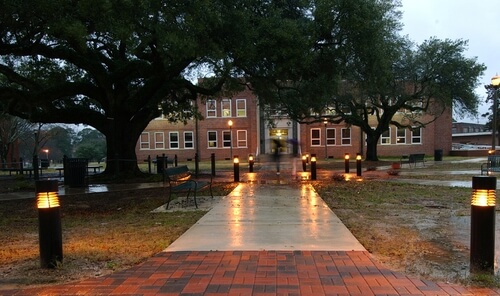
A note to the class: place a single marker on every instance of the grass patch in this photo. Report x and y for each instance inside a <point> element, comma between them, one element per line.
<point>102,232</point>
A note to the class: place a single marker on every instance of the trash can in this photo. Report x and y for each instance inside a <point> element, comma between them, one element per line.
<point>75,172</point>
<point>44,163</point>
<point>161,164</point>
<point>438,155</point>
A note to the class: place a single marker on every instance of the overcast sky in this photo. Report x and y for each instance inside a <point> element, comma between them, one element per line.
<point>476,21</point>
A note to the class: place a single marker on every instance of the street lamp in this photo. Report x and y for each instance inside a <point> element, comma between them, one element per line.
<point>230,123</point>
<point>326,148</point>
<point>495,82</point>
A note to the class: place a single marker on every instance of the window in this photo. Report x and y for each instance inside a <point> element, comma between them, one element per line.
<point>315,137</point>
<point>211,108</point>
<point>173,140</point>
<point>212,139</point>
<point>241,137</point>
<point>159,140</point>
<point>385,138</point>
<point>416,135</point>
<point>225,106</point>
<point>144,141</point>
<point>346,136</point>
<point>241,108</point>
<point>188,140</point>
<point>226,139</point>
<point>401,136</point>
<point>330,136</point>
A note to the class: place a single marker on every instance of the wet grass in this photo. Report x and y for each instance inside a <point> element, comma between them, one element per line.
<point>102,232</point>
<point>407,227</point>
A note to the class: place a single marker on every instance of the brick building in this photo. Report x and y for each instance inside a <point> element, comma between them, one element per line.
<point>253,133</point>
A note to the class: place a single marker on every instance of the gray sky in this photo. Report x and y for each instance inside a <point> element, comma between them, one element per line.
<point>476,21</point>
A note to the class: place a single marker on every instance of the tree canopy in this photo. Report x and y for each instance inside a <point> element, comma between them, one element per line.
<point>360,67</point>
<point>112,64</point>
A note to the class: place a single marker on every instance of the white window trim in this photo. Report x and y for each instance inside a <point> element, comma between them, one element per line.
<point>413,137</point>
<point>208,140</point>
<point>334,136</point>
<point>342,137</point>
<point>222,108</point>
<point>145,143</point>
<point>224,141</point>
<point>400,137</point>
<point>244,108</point>
<point>315,139</point>
<point>159,145</point>
<point>214,110</point>
<point>239,140</point>
<point>185,141</point>
<point>170,142</point>
<point>382,138</point>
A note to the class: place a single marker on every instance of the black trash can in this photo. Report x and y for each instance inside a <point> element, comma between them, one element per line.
<point>438,155</point>
<point>161,164</point>
<point>75,172</point>
<point>44,163</point>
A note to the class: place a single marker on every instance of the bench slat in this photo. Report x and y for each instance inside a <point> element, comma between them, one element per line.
<point>179,179</point>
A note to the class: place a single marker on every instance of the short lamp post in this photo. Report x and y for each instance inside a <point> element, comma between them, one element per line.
<point>326,139</point>
<point>49,220</point>
<point>482,239</point>
<point>236,168</point>
<point>304,163</point>
<point>313,166</point>
<point>250,163</point>
<point>346,163</point>
<point>358,164</point>
<point>230,123</point>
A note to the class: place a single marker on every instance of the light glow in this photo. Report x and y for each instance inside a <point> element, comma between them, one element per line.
<point>483,197</point>
<point>47,200</point>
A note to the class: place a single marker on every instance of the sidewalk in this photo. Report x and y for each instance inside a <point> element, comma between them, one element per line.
<point>271,236</point>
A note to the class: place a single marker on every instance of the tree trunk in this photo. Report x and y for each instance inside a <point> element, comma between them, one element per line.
<point>121,160</point>
<point>371,147</point>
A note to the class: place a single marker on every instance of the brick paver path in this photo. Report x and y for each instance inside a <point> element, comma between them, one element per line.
<point>257,273</point>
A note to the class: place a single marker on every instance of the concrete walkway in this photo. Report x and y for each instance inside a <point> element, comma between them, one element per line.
<point>269,217</point>
<point>268,237</point>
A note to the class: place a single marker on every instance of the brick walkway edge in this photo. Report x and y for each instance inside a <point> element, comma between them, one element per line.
<point>257,273</point>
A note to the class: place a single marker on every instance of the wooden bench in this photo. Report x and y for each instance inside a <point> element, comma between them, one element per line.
<point>179,180</point>
<point>413,159</point>
<point>492,165</point>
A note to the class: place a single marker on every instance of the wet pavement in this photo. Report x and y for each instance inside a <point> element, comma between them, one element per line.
<point>273,235</point>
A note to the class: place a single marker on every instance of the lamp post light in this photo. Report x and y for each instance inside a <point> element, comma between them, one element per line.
<point>250,163</point>
<point>495,82</point>
<point>236,168</point>
<point>313,167</point>
<point>346,163</point>
<point>49,223</point>
<point>482,238</point>
<point>358,164</point>
<point>326,147</point>
<point>230,123</point>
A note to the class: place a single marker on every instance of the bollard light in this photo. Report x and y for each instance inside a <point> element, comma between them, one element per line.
<point>358,164</point>
<point>482,239</point>
<point>236,168</point>
<point>313,166</point>
<point>49,223</point>
<point>250,163</point>
<point>304,163</point>
<point>346,163</point>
